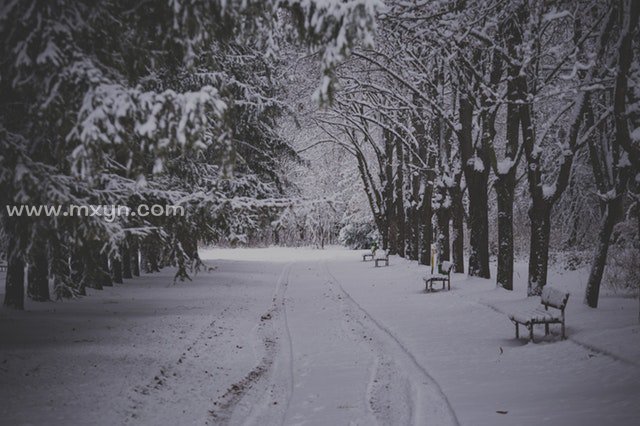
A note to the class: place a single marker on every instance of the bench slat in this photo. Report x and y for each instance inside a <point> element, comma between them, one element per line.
<point>436,277</point>
<point>381,255</point>
<point>553,297</point>
<point>447,267</point>
<point>550,297</point>
<point>535,315</point>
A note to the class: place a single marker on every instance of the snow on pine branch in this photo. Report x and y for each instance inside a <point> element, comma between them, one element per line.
<point>112,114</point>
<point>334,27</point>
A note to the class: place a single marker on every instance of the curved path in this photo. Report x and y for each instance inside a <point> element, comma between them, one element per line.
<point>298,336</point>
<point>324,360</point>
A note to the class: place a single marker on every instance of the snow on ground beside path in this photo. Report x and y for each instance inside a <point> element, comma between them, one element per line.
<point>145,352</point>
<point>296,335</point>
<point>466,342</point>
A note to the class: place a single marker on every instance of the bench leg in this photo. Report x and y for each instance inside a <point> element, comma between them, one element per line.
<point>449,284</point>
<point>531,333</point>
<point>517,331</point>
<point>546,329</point>
<point>563,336</point>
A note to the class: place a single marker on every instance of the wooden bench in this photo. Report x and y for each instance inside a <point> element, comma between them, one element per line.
<point>367,256</point>
<point>381,256</point>
<point>3,267</point>
<point>529,317</point>
<point>444,277</point>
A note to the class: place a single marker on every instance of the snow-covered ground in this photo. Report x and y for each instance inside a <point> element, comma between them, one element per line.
<point>301,336</point>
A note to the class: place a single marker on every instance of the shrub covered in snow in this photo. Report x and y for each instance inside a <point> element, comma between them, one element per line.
<point>622,273</point>
<point>358,235</point>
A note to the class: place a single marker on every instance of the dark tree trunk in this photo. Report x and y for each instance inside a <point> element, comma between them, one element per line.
<point>478,224</point>
<point>116,270</point>
<point>425,210</point>
<point>477,179</point>
<point>415,234</point>
<point>399,199</point>
<point>412,230</point>
<point>505,186</point>
<point>442,218</point>
<point>611,168</point>
<point>126,261</point>
<point>135,260</point>
<point>612,215</point>
<point>388,190</point>
<point>539,214</point>
<point>94,274</point>
<point>408,228</point>
<point>426,231</point>
<point>543,202</point>
<point>506,179</point>
<point>151,263</point>
<point>625,59</point>
<point>457,232</point>
<point>14,285</point>
<point>400,226</point>
<point>78,272</point>
<point>422,191</point>
<point>476,167</point>
<point>392,233</point>
<point>104,265</point>
<point>414,218</point>
<point>383,229</point>
<point>38,278</point>
<point>410,238</point>
<point>60,271</point>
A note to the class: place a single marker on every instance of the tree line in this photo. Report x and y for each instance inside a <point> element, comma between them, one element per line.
<point>459,99</point>
<point>120,103</point>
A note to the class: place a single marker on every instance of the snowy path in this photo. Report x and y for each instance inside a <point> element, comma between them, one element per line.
<point>325,361</point>
<point>291,337</point>
<point>401,390</point>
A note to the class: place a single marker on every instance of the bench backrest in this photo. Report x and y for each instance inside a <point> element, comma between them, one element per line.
<point>381,254</point>
<point>446,267</point>
<point>554,298</point>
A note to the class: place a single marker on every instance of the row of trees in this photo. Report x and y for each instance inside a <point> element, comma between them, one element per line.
<point>533,102</point>
<point>122,103</point>
<point>461,98</point>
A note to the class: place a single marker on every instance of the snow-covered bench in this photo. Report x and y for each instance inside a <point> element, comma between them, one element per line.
<point>444,277</point>
<point>3,266</point>
<point>529,317</point>
<point>381,256</point>
<point>368,255</point>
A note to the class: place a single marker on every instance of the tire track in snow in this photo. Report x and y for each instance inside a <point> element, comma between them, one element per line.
<point>262,396</point>
<point>163,384</point>
<point>396,372</point>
